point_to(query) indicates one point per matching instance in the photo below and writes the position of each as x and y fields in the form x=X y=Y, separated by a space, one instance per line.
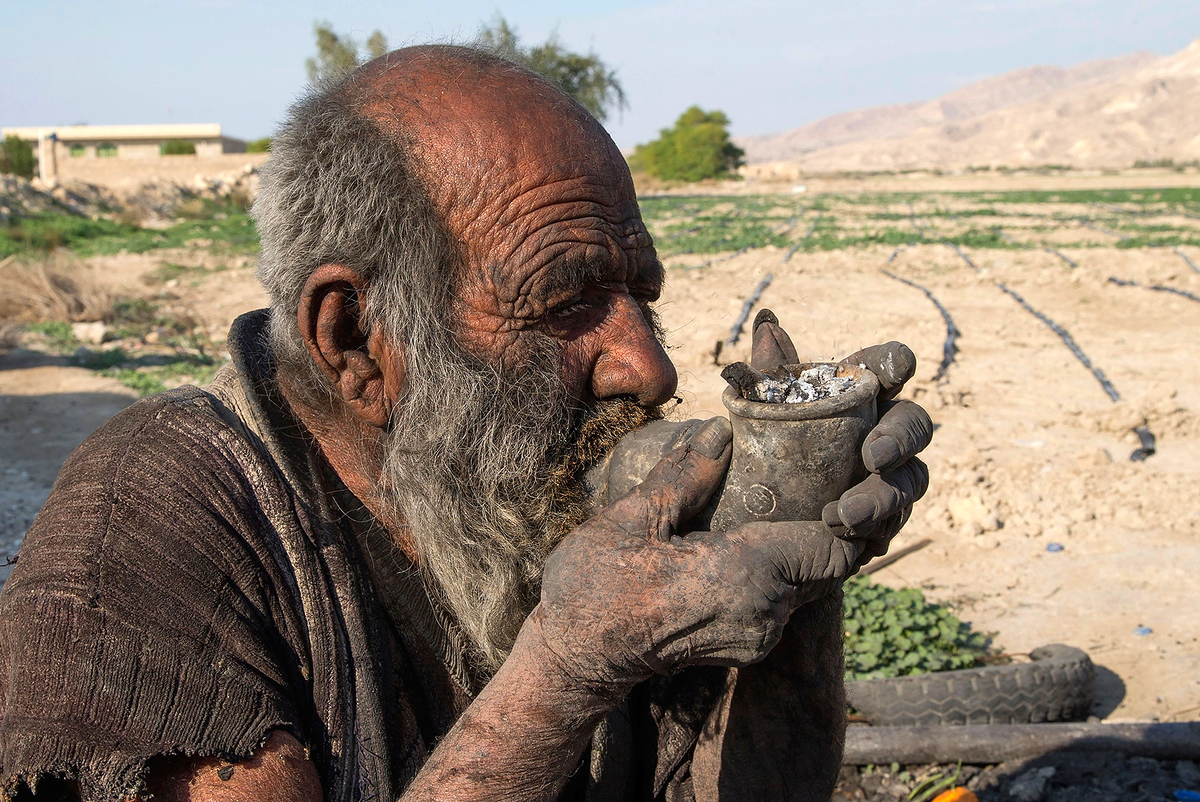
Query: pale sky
x=771 y=65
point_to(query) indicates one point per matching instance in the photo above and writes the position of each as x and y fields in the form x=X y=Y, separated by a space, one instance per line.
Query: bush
x=585 y=78
x=696 y=148
x=894 y=633
x=259 y=145
x=16 y=157
x=177 y=147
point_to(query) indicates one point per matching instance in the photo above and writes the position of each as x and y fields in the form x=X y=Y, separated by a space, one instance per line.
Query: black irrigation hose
x=812 y=227
x=1144 y=434
x=965 y=258
x=1063 y=334
x=735 y=333
x=1045 y=248
x=1069 y=341
x=1185 y=258
x=1116 y=234
x=950 y=345
x=1158 y=287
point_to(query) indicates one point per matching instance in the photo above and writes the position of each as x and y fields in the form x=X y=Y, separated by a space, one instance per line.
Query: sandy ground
x=1029 y=451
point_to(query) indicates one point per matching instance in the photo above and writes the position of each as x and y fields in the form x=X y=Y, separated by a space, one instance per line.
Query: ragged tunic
x=200 y=577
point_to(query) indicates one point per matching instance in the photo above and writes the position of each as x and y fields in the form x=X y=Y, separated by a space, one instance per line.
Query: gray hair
x=481 y=465
x=338 y=190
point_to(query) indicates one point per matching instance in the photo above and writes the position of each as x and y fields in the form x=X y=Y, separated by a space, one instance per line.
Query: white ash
x=812 y=384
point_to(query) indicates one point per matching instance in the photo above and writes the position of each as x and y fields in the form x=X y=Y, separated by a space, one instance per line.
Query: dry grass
x=10 y=337
x=57 y=287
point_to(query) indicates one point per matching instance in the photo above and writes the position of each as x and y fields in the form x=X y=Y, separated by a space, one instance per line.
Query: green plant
x=177 y=147
x=16 y=157
x=58 y=333
x=934 y=784
x=585 y=78
x=259 y=145
x=695 y=149
x=340 y=54
x=893 y=633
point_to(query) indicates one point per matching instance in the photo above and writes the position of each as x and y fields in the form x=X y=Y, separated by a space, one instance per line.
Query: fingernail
x=857 y=510
x=885 y=452
x=712 y=438
x=829 y=515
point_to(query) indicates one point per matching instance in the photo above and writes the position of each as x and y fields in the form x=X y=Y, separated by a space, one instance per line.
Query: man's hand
x=877 y=508
x=625 y=596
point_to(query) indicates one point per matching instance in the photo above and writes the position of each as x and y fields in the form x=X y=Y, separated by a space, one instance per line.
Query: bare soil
x=1029 y=451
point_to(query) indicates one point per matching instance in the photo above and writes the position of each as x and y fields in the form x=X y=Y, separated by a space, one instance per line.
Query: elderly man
x=360 y=565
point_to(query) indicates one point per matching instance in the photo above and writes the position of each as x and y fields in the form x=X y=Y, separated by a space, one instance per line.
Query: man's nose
x=633 y=361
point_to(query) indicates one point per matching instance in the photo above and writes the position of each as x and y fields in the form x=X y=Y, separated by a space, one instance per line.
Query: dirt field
x=1029 y=451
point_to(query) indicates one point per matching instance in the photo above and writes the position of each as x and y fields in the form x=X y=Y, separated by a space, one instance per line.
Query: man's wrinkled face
x=558 y=351
x=542 y=210
x=568 y=259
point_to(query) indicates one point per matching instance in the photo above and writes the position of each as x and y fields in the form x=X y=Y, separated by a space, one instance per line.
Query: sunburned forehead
x=481 y=128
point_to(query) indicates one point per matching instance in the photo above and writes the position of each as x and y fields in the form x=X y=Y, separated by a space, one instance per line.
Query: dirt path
x=46 y=409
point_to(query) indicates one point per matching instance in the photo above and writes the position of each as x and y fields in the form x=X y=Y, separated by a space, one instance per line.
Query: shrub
x=893 y=633
x=259 y=145
x=16 y=157
x=177 y=147
x=696 y=148
x=585 y=78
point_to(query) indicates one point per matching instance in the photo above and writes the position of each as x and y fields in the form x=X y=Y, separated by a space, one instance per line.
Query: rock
x=968 y=510
x=92 y=333
x=1031 y=786
x=1188 y=774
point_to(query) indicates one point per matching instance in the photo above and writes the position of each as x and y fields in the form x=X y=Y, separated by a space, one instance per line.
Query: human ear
x=366 y=370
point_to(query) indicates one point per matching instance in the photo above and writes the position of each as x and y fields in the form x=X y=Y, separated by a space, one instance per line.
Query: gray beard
x=484 y=468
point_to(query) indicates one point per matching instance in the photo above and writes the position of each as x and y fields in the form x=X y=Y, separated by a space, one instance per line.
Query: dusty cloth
x=199 y=577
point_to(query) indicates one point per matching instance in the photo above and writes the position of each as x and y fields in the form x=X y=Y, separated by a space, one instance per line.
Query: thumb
x=771 y=346
x=679 y=486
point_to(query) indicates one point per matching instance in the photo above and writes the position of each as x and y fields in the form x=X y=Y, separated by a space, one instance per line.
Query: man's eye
x=569 y=308
x=580 y=303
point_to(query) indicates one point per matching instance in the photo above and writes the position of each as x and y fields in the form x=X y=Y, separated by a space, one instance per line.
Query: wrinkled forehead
x=479 y=128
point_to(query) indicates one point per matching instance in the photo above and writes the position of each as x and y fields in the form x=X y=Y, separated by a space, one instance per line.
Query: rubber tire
x=1059 y=685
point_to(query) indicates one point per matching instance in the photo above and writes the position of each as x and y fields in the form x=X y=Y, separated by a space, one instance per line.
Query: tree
x=585 y=78
x=16 y=157
x=696 y=148
x=340 y=54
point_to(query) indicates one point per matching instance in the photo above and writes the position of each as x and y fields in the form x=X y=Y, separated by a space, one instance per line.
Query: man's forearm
x=780 y=735
x=522 y=736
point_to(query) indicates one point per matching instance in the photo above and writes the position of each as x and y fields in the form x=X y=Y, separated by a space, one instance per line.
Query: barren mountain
x=1097 y=114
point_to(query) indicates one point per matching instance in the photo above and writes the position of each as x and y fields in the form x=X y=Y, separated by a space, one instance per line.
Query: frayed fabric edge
x=108 y=784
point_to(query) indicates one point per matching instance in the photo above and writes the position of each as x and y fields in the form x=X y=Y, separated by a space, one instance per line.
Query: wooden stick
x=884 y=562
x=995 y=743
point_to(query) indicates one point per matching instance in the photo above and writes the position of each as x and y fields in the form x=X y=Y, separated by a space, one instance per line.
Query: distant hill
x=1097 y=114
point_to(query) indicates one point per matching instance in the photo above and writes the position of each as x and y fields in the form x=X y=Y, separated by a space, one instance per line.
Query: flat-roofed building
x=60 y=142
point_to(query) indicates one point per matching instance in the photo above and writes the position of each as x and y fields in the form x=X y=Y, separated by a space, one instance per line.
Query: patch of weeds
x=151 y=374
x=141 y=381
x=101 y=360
x=169 y=271
x=224 y=227
x=894 y=633
x=58 y=334
x=45 y=232
x=717 y=235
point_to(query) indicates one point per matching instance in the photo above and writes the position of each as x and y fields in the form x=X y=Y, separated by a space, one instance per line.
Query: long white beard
x=484 y=470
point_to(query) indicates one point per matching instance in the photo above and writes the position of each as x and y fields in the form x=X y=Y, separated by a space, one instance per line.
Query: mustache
x=596 y=431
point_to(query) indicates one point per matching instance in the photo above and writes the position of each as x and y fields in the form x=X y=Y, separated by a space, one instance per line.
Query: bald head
x=482 y=131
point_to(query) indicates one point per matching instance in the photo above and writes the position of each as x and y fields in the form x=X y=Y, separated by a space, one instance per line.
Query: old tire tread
x=1057 y=686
